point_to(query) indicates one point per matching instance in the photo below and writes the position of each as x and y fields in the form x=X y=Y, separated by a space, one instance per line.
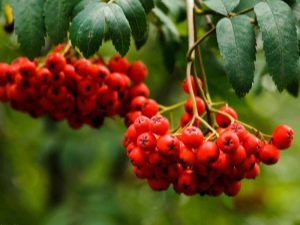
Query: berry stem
x=248 y=126
x=206 y=124
x=191 y=58
x=165 y=109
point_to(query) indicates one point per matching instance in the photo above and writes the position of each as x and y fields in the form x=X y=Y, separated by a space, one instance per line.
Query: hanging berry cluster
x=81 y=91
x=201 y=162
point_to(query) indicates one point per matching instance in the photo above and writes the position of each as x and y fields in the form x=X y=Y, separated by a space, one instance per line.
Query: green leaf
x=175 y=7
x=136 y=16
x=293 y=88
x=119 y=28
x=57 y=18
x=245 y=4
x=278 y=29
x=87 y=28
x=236 y=39
x=94 y=22
x=167 y=23
x=81 y=5
x=148 y=5
x=169 y=38
x=223 y=7
x=29 y=25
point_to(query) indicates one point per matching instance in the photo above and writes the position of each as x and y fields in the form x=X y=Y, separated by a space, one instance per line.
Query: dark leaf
x=236 y=41
x=88 y=27
x=57 y=18
x=136 y=16
x=29 y=25
x=118 y=26
x=148 y=5
x=223 y=7
x=279 y=36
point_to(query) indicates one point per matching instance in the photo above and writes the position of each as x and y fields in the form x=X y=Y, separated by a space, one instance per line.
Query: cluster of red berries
x=197 y=163
x=82 y=91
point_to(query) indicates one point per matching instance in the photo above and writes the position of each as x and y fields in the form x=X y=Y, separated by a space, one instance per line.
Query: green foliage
x=93 y=25
x=223 y=7
x=29 y=25
x=57 y=18
x=169 y=37
x=136 y=16
x=236 y=41
x=279 y=35
x=148 y=5
x=81 y=5
x=119 y=28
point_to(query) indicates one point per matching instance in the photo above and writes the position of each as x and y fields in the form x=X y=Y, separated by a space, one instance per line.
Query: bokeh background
x=52 y=175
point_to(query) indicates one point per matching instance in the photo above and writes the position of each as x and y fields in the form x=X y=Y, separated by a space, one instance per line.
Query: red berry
x=252 y=144
x=115 y=81
x=199 y=103
x=137 y=157
x=55 y=62
x=185 y=85
x=137 y=71
x=239 y=129
x=232 y=188
x=269 y=154
x=187 y=157
x=158 y=184
x=168 y=145
x=159 y=125
x=146 y=141
x=224 y=121
x=228 y=142
x=253 y=172
x=208 y=152
x=192 y=137
x=139 y=89
x=187 y=183
x=283 y=136
x=118 y=64
x=142 y=124
x=238 y=157
x=150 y=108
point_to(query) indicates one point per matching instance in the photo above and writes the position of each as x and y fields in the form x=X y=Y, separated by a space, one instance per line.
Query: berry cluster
x=198 y=163
x=82 y=91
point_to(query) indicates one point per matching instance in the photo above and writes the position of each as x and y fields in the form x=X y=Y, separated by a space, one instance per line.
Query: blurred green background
x=52 y=175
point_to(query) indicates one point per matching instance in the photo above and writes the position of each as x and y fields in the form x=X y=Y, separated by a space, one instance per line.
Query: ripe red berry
x=150 y=108
x=187 y=183
x=142 y=124
x=238 y=157
x=283 y=136
x=185 y=85
x=269 y=154
x=224 y=121
x=208 y=152
x=137 y=72
x=158 y=184
x=168 y=145
x=146 y=141
x=228 y=142
x=239 y=129
x=139 y=89
x=199 y=103
x=187 y=157
x=192 y=137
x=232 y=188
x=252 y=144
x=118 y=64
x=55 y=62
x=137 y=157
x=159 y=125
